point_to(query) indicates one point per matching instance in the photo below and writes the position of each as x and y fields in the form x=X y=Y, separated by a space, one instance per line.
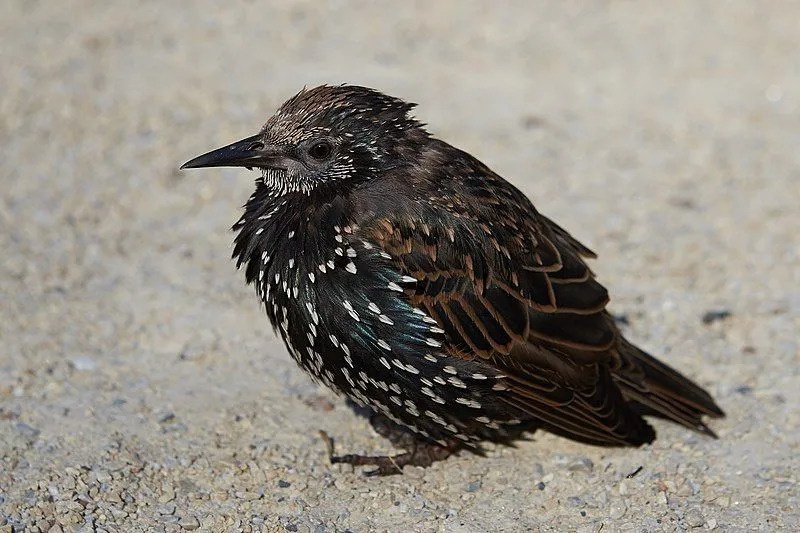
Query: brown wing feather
x=510 y=287
x=554 y=361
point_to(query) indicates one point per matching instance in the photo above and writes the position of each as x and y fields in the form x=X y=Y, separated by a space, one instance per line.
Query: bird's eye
x=320 y=150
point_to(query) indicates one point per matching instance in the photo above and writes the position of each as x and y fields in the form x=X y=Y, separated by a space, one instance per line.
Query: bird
x=407 y=276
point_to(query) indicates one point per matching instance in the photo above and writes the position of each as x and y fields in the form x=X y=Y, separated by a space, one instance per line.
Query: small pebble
x=575 y=501
x=581 y=464
x=102 y=476
x=472 y=487
x=189 y=523
x=27 y=431
x=82 y=363
x=282 y=483
x=713 y=316
x=617 y=509
x=694 y=517
x=167 y=509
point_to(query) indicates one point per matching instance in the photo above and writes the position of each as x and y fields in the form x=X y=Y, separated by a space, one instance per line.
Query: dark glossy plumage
x=407 y=275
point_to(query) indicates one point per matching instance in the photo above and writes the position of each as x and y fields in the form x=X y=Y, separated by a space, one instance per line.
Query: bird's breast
x=341 y=305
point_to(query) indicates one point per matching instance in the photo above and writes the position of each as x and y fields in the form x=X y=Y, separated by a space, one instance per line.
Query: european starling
x=403 y=273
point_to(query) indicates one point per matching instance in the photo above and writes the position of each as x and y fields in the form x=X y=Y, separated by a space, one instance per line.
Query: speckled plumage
x=405 y=274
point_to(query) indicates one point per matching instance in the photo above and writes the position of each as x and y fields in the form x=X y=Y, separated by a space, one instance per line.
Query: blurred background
x=141 y=387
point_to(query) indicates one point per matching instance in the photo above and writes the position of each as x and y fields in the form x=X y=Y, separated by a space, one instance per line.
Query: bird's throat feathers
x=276 y=221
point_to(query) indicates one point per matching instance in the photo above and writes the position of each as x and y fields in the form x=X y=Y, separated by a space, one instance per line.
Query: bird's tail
x=654 y=388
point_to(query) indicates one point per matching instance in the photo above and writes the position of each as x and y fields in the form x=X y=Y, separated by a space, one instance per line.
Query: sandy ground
x=141 y=388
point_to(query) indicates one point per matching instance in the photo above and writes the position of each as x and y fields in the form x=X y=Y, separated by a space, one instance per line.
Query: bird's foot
x=421 y=453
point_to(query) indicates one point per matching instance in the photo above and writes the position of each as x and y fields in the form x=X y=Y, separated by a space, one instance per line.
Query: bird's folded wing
x=516 y=293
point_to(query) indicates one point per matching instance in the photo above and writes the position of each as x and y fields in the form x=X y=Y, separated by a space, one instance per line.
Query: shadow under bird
x=403 y=273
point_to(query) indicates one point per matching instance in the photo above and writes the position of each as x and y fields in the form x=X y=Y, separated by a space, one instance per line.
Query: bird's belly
x=343 y=310
x=371 y=361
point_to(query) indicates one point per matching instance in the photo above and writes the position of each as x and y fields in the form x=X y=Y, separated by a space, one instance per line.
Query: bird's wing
x=510 y=287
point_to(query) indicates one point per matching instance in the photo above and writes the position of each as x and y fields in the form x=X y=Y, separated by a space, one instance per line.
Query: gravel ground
x=141 y=388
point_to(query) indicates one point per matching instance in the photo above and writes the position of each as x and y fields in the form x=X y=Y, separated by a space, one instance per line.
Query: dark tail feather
x=656 y=389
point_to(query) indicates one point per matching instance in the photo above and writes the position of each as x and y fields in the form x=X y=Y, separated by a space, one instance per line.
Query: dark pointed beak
x=249 y=152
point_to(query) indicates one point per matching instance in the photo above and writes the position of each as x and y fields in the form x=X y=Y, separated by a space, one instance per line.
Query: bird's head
x=328 y=135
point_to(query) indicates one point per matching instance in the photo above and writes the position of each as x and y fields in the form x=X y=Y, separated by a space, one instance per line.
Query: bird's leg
x=422 y=454
x=419 y=452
